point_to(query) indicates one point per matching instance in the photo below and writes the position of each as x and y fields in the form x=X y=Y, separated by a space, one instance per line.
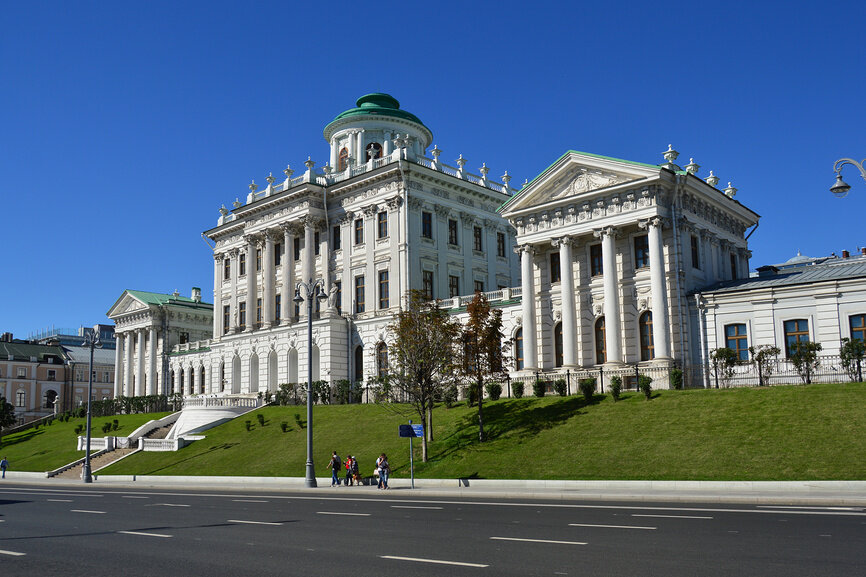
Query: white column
x=118 y=366
x=527 y=303
x=334 y=153
x=151 y=368
x=661 y=334
x=569 y=315
x=233 y=292
x=251 y=283
x=129 y=391
x=612 y=322
x=360 y=147
x=387 y=145
x=217 y=295
x=268 y=292
x=347 y=294
x=287 y=290
x=139 y=367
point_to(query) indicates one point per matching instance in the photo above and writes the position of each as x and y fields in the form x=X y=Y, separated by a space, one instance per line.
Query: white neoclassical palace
x=598 y=264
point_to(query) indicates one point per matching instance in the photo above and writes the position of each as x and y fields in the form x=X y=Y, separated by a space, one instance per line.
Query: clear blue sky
x=127 y=124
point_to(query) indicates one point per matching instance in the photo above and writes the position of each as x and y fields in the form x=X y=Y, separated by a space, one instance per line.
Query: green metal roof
x=160 y=299
x=377 y=104
x=23 y=351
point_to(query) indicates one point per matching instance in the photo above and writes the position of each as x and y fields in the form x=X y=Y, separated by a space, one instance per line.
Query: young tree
x=7 y=414
x=852 y=353
x=483 y=349
x=422 y=357
x=762 y=355
x=724 y=360
x=804 y=356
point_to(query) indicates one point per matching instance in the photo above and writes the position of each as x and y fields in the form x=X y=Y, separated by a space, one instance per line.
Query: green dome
x=375 y=104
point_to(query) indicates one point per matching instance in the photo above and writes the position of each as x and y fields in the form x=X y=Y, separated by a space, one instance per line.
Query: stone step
x=96 y=463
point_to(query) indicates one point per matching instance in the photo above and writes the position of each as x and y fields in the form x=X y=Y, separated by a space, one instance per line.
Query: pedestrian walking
x=384 y=469
x=349 y=460
x=4 y=464
x=356 y=470
x=335 y=465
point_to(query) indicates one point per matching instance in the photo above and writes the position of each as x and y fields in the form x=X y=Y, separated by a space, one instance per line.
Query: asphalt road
x=110 y=531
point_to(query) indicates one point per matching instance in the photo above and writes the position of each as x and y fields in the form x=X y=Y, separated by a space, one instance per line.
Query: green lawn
x=51 y=446
x=779 y=433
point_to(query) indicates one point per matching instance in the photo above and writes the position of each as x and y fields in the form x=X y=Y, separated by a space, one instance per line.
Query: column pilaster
x=233 y=304
x=612 y=320
x=569 y=314
x=269 y=279
x=217 y=294
x=251 y=283
x=118 y=366
x=139 y=365
x=658 y=288
x=288 y=264
x=128 y=385
x=527 y=303
x=151 y=367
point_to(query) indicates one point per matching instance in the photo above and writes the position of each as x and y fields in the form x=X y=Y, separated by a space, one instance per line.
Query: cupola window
x=344 y=160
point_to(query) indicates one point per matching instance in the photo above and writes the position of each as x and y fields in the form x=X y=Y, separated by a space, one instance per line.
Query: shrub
x=539 y=387
x=724 y=360
x=517 y=389
x=645 y=384
x=615 y=387
x=561 y=387
x=249 y=425
x=106 y=427
x=762 y=356
x=804 y=356
x=299 y=421
x=114 y=425
x=494 y=391
x=587 y=388
x=284 y=426
x=852 y=353
x=449 y=396
x=675 y=378
x=261 y=419
x=472 y=391
x=79 y=429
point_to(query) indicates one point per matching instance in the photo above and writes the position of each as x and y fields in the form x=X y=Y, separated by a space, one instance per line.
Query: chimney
x=863 y=251
x=845 y=254
x=196 y=294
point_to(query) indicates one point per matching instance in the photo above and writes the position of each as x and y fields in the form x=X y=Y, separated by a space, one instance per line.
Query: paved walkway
x=793 y=493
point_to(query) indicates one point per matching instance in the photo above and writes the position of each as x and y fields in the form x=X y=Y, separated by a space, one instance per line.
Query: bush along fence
x=605 y=380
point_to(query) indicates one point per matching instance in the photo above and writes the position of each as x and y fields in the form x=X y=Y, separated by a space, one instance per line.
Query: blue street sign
x=407 y=431
x=419 y=430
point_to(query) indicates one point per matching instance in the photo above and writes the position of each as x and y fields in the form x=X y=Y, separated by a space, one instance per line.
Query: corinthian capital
x=522 y=248
x=562 y=241
x=610 y=231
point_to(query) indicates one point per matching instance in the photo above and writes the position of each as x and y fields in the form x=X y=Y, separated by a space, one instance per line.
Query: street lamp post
x=841 y=188
x=311 y=290
x=91 y=340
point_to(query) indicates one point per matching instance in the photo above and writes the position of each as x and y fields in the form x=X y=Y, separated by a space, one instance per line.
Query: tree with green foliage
x=7 y=415
x=483 y=349
x=852 y=353
x=723 y=360
x=615 y=387
x=587 y=388
x=804 y=357
x=762 y=357
x=645 y=384
x=422 y=357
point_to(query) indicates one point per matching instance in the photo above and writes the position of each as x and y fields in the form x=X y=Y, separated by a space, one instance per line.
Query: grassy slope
x=779 y=433
x=52 y=446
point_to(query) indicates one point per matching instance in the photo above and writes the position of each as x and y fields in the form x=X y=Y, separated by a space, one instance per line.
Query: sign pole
x=411 y=461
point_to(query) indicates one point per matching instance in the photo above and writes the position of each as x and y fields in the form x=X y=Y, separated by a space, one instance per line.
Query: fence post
x=568 y=381
x=636 y=378
x=716 y=373
x=601 y=380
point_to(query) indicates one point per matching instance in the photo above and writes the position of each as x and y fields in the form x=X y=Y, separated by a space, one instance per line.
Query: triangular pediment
x=127 y=303
x=577 y=175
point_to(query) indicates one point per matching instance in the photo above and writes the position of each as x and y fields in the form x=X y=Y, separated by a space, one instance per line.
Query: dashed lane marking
x=341 y=513
x=252 y=522
x=249 y=501
x=436 y=561
x=59 y=500
x=672 y=516
x=538 y=541
x=12 y=553
x=145 y=534
x=134 y=497
x=168 y=505
x=86 y=511
x=611 y=526
x=412 y=507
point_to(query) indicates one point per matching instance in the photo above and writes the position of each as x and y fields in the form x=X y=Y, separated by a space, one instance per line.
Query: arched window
x=374 y=150
x=518 y=350
x=600 y=349
x=222 y=377
x=359 y=364
x=382 y=359
x=344 y=160
x=645 y=326
x=557 y=345
x=171 y=383
x=201 y=379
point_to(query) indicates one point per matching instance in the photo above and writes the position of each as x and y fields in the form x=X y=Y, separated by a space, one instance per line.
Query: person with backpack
x=335 y=465
x=349 y=461
x=356 y=474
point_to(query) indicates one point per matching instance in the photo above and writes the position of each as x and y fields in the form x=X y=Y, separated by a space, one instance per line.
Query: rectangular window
x=227 y=268
x=339 y=302
x=278 y=254
x=183 y=338
x=641 y=251
x=427 y=284
x=858 y=327
x=477 y=237
x=258 y=259
x=795 y=331
x=555 y=273
x=52 y=375
x=733 y=267
x=316 y=243
x=22 y=373
x=453 y=286
x=106 y=377
x=427 y=224
x=596 y=267
x=737 y=341
x=500 y=244
x=258 y=312
x=20 y=398
x=359 y=294
x=242 y=263
x=242 y=316
x=227 y=314
x=296 y=246
x=382 y=224
x=336 y=238
x=383 y=289
x=452 y=232
x=696 y=256
x=79 y=376
x=479 y=286
x=278 y=306
x=359 y=231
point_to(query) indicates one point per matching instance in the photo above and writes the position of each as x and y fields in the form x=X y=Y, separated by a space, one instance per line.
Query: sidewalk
x=791 y=493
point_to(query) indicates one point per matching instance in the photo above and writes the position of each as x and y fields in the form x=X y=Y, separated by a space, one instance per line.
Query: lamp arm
x=843 y=161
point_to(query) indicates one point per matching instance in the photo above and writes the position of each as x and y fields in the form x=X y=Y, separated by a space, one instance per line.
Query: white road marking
x=412 y=507
x=538 y=541
x=86 y=511
x=144 y=534
x=13 y=553
x=340 y=513
x=249 y=501
x=437 y=561
x=825 y=535
x=252 y=522
x=168 y=505
x=59 y=500
x=805 y=507
x=610 y=526
x=134 y=497
x=672 y=516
